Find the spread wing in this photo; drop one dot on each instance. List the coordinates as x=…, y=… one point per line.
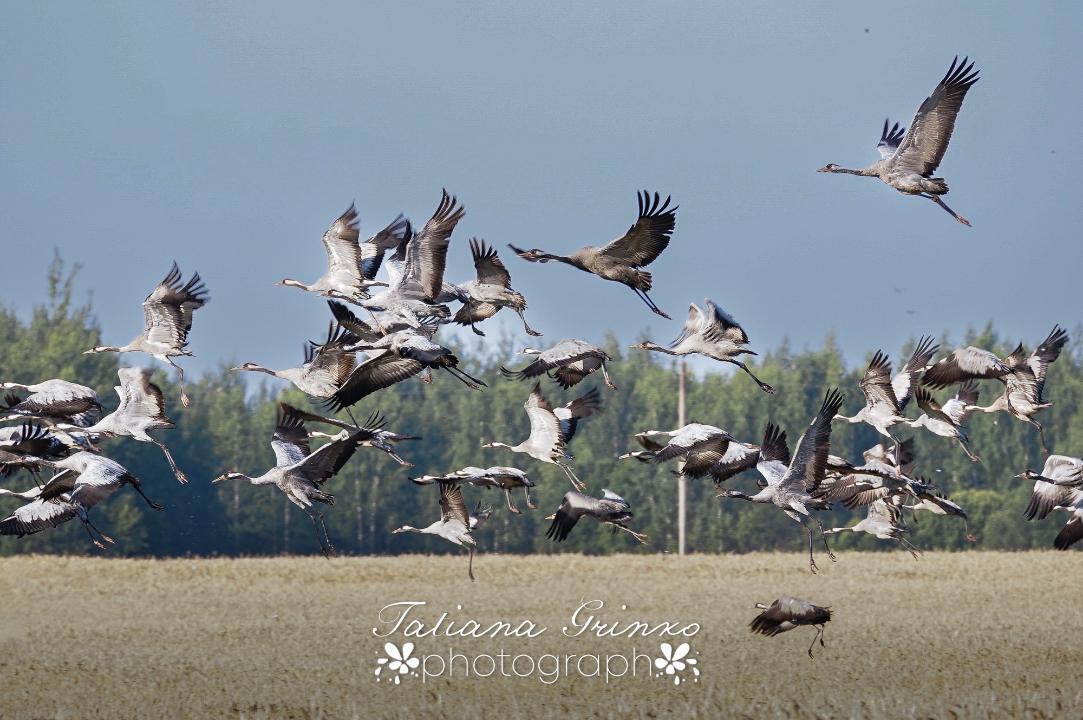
x=490, y=270
x=648, y=236
x=544, y=426
x=960, y=407
x=328, y=459
x=889, y=140
x=340, y=243
x=167, y=311
x=452, y=505
x=738, y=457
x=290, y=439
x=329, y=363
x=806, y=470
x=139, y=397
x=569, y=415
x=1045, y=354
x=37, y=515
x=377, y=373
x=906, y=379
x=876, y=383
x=372, y=250
x=719, y=325
x=924, y=145
x=965, y=363
x=693, y=325
x=427, y=252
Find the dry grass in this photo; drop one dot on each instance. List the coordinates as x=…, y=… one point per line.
x=979, y=635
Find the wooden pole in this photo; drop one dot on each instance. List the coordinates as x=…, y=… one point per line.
x=682, y=484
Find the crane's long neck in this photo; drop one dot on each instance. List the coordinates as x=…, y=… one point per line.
x=852, y=420
x=655, y=347
x=290, y=282
x=870, y=171
x=1000, y=404
x=13, y=386
x=252, y=367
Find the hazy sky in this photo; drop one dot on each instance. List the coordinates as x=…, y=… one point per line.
x=229, y=135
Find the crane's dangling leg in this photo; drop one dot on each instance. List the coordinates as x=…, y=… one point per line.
x=824, y=537
x=470, y=567
x=325, y=541
x=641, y=537
x=181, y=477
x=966, y=529
x=964, y=442
x=153, y=505
x=529, y=330
x=914, y=551
x=88, y=526
x=650, y=303
x=529, y=503
x=180, y=379
x=605, y=375
x=811, y=557
x=1041, y=433
x=471, y=382
x=576, y=483
x=813, y=643
x=477, y=332
x=936, y=199
x=763, y=386
x=511, y=508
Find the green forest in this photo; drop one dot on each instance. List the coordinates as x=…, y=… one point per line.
x=229, y=424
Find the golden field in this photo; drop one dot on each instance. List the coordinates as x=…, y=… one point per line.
x=952, y=635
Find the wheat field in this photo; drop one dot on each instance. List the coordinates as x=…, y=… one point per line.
x=963, y=635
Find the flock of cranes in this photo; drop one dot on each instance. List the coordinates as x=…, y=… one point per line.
x=384, y=331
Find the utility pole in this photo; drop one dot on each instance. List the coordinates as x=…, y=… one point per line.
x=682, y=484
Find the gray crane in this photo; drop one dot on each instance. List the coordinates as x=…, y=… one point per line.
x=401, y=356
x=787, y=613
x=141, y=409
x=622, y=260
x=352, y=265
x=948, y=420
x=933, y=501
x=84, y=480
x=300, y=472
x=882, y=521
x=700, y=446
x=1023, y=376
x=382, y=439
x=794, y=492
x=53, y=401
x=167, y=315
x=498, y=476
x=326, y=366
x=886, y=397
x=490, y=291
x=1059, y=486
x=551, y=429
x=416, y=270
x=714, y=334
x=610, y=509
x=567, y=362
x=455, y=525
x=908, y=158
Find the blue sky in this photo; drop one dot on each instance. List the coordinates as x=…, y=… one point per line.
x=228, y=136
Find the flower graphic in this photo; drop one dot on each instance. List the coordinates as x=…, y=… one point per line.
x=673, y=662
x=397, y=662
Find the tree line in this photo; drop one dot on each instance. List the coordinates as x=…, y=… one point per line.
x=229, y=424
